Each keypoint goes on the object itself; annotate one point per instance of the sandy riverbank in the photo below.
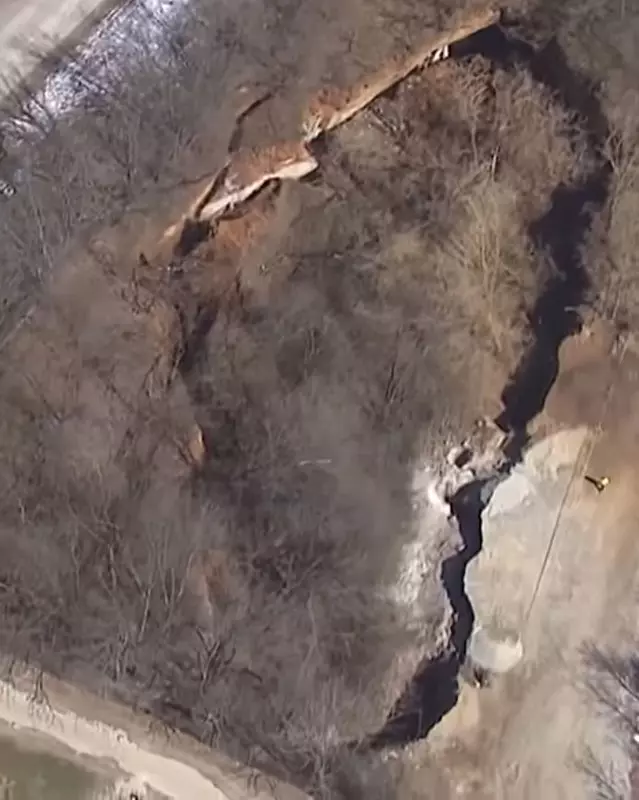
(111, 740)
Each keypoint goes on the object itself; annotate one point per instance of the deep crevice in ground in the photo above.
(433, 692)
(560, 232)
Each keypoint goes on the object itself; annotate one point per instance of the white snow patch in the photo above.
(432, 487)
(435, 495)
(432, 513)
(112, 41)
(429, 510)
(413, 571)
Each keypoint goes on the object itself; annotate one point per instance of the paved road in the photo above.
(41, 23)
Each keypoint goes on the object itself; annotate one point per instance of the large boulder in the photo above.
(517, 525)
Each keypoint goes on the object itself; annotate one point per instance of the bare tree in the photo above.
(612, 680)
(243, 596)
(608, 253)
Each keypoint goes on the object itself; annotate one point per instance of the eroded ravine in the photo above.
(434, 690)
(560, 233)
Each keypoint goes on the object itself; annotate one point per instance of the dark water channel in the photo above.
(559, 233)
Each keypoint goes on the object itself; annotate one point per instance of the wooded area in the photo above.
(318, 343)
